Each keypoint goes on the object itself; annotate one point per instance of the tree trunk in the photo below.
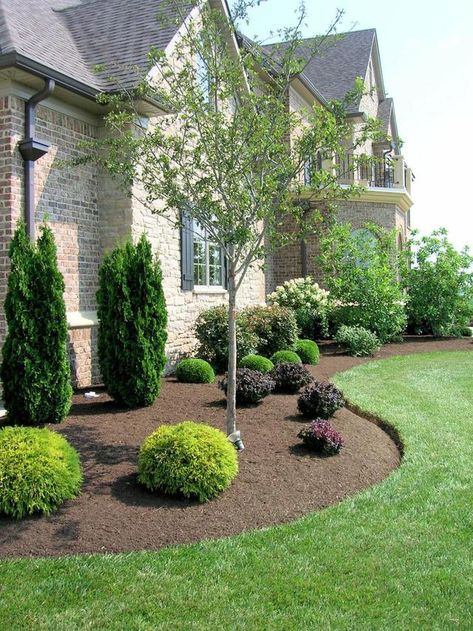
(232, 352)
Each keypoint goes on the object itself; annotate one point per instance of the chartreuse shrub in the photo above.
(358, 341)
(361, 271)
(132, 324)
(195, 371)
(189, 459)
(308, 351)
(290, 377)
(288, 357)
(211, 330)
(439, 284)
(35, 368)
(39, 470)
(320, 400)
(257, 362)
(275, 327)
(321, 437)
(251, 386)
(309, 302)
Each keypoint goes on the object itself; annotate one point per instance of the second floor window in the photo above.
(312, 164)
(208, 259)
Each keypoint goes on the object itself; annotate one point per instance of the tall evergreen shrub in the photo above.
(132, 324)
(35, 368)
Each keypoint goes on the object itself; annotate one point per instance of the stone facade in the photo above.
(89, 215)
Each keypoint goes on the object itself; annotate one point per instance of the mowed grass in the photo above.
(397, 556)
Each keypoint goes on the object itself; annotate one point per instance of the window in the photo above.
(311, 165)
(208, 259)
(203, 80)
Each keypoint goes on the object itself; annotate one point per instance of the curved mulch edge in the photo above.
(389, 429)
(279, 479)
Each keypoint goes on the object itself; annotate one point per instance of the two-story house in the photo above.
(48, 107)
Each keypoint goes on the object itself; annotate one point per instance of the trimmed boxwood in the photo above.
(308, 351)
(39, 470)
(290, 377)
(288, 357)
(320, 400)
(257, 362)
(195, 371)
(251, 386)
(189, 459)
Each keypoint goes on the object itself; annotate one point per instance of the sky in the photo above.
(427, 58)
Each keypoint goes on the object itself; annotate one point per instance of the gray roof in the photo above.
(70, 37)
(339, 61)
(385, 110)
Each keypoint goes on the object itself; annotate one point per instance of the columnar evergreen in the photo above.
(132, 330)
(35, 367)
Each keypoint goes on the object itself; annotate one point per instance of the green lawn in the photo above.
(397, 556)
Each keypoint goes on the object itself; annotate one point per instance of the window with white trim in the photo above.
(208, 259)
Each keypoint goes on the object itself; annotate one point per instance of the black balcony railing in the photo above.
(378, 172)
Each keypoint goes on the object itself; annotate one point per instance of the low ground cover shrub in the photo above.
(195, 371)
(308, 351)
(211, 330)
(251, 386)
(320, 400)
(257, 362)
(361, 270)
(132, 332)
(39, 470)
(358, 341)
(439, 283)
(309, 302)
(290, 378)
(288, 357)
(321, 437)
(274, 326)
(467, 332)
(189, 459)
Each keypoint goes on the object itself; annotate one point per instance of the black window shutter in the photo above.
(225, 272)
(187, 252)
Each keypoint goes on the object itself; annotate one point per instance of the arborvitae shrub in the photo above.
(132, 324)
(195, 371)
(308, 351)
(39, 470)
(189, 459)
(288, 357)
(257, 362)
(35, 367)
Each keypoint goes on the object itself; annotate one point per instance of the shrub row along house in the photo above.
(48, 108)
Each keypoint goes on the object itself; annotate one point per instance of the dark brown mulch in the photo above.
(278, 480)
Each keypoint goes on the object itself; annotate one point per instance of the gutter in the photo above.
(32, 149)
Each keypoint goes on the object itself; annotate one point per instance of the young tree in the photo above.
(132, 330)
(229, 151)
(35, 367)
(439, 284)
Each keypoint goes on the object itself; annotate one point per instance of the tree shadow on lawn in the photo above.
(129, 491)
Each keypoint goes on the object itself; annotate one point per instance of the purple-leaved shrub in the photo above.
(320, 436)
(320, 400)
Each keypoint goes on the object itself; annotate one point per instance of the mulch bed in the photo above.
(279, 480)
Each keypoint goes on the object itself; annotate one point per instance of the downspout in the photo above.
(32, 149)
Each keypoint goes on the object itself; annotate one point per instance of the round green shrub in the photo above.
(195, 371)
(189, 459)
(39, 470)
(275, 327)
(358, 341)
(467, 331)
(257, 362)
(289, 357)
(308, 351)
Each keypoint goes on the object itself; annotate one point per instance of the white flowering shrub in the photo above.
(309, 301)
